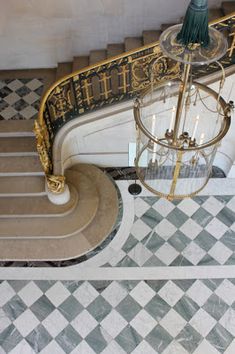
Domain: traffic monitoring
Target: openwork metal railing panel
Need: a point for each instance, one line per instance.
(111, 81)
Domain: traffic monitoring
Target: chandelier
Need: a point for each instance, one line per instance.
(181, 123)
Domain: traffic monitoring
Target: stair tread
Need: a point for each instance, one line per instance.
(22, 185)
(20, 164)
(228, 7)
(78, 244)
(115, 49)
(16, 127)
(63, 69)
(151, 36)
(34, 206)
(80, 62)
(133, 43)
(97, 55)
(17, 144)
(66, 225)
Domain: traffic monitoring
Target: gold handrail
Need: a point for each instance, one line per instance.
(135, 60)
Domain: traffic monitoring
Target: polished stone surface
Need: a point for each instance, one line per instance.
(180, 316)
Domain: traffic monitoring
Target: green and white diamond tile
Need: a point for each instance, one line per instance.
(164, 317)
(197, 231)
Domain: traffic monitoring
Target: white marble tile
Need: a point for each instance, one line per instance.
(142, 293)
(199, 293)
(206, 348)
(173, 323)
(143, 348)
(85, 294)
(213, 205)
(55, 323)
(83, 348)
(84, 323)
(226, 291)
(171, 293)
(193, 253)
(165, 229)
(163, 207)
(140, 254)
(52, 347)
(202, 322)
(228, 321)
(166, 253)
(23, 348)
(114, 323)
(143, 323)
(26, 322)
(216, 228)
(6, 292)
(113, 348)
(140, 230)
(57, 294)
(114, 294)
(220, 252)
(231, 204)
(231, 348)
(30, 293)
(191, 229)
(188, 206)
(140, 207)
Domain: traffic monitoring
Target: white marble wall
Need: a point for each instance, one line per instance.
(105, 141)
(42, 33)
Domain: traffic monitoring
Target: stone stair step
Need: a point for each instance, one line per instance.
(81, 242)
(151, 36)
(80, 62)
(34, 206)
(132, 43)
(214, 14)
(97, 55)
(16, 128)
(14, 145)
(115, 49)
(22, 185)
(63, 69)
(20, 165)
(53, 227)
(228, 7)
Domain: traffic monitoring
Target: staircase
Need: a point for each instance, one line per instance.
(130, 43)
(31, 227)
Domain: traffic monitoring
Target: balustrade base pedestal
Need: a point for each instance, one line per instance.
(61, 198)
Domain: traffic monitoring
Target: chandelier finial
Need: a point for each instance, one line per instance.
(195, 26)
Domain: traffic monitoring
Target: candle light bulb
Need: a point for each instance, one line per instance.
(172, 119)
(202, 138)
(195, 128)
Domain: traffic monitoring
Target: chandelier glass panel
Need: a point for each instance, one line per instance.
(180, 123)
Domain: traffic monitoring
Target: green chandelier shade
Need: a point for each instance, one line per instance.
(195, 26)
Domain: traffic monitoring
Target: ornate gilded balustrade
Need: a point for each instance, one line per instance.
(108, 82)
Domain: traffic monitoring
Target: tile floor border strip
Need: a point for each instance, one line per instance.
(132, 273)
(214, 187)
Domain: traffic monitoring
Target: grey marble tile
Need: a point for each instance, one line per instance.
(98, 339)
(186, 307)
(128, 339)
(14, 308)
(159, 339)
(227, 216)
(68, 339)
(99, 308)
(215, 306)
(38, 338)
(219, 338)
(128, 308)
(9, 338)
(42, 308)
(189, 338)
(157, 308)
(70, 308)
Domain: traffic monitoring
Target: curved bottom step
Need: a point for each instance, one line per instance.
(79, 243)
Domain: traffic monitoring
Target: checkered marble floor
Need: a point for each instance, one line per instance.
(20, 98)
(193, 232)
(118, 317)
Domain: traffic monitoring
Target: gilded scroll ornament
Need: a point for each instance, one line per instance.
(42, 148)
(55, 184)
